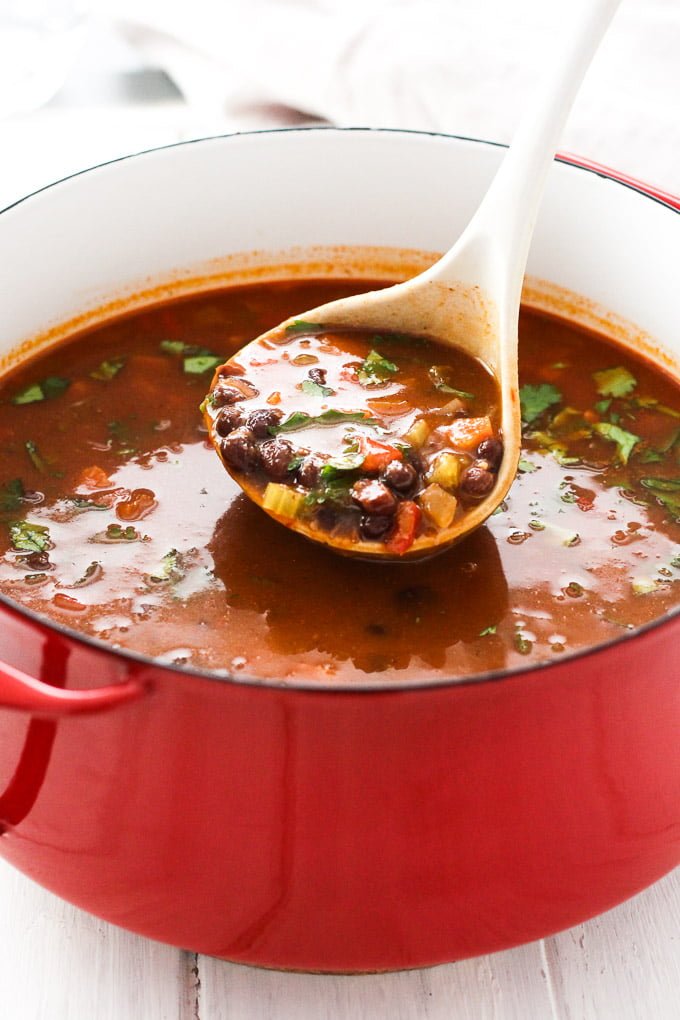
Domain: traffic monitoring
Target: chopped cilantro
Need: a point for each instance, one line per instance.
(28, 537)
(11, 496)
(526, 467)
(439, 374)
(301, 326)
(625, 441)
(614, 382)
(314, 389)
(522, 644)
(51, 387)
(108, 370)
(80, 503)
(197, 364)
(173, 346)
(300, 420)
(602, 406)
(534, 400)
(488, 630)
(196, 360)
(331, 490)
(375, 369)
(650, 456)
(171, 568)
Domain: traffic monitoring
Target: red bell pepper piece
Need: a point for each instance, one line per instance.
(406, 525)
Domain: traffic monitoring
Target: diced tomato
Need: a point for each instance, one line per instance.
(468, 433)
(94, 478)
(377, 455)
(406, 526)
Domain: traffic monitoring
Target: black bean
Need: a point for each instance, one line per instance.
(240, 450)
(262, 420)
(491, 450)
(275, 456)
(327, 517)
(374, 525)
(477, 480)
(227, 420)
(374, 497)
(223, 395)
(318, 375)
(400, 475)
(308, 471)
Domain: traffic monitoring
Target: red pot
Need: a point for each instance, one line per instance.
(327, 828)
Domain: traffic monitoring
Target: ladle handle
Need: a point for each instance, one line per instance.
(508, 211)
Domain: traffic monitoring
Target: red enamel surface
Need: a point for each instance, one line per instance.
(616, 175)
(346, 830)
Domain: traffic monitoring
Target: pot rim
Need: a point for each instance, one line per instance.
(580, 163)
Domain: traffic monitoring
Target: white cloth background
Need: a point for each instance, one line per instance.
(462, 66)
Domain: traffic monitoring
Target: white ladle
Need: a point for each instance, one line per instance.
(470, 298)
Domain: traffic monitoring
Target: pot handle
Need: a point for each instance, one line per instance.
(20, 691)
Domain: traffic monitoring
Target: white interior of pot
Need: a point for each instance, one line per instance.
(170, 213)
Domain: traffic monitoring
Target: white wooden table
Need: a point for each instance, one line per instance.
(58, 963)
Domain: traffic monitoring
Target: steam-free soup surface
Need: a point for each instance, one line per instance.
(117, 519)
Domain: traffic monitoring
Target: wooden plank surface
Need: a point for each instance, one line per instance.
(59, 963)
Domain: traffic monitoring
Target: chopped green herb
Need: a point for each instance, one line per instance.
(108, 370)
(557, 449)
(28, 537)
(197, 364)
(80, 503)
(314, 389)
(49, 388)
(300, 420)
(614, 382)
(439, 374)
(34, 454)
(667, 492)
(602, 406)
(625, 441)
(375, 369)
(171, 569)
(300, 326)
(650, 456)
(31, 395)
(522, 644)
(334, 490)
(173, 346)
(295, 463)
(526, 467)
(661, 484)
(534, 400)
(11, 496)
(675, 562)
(487, 631)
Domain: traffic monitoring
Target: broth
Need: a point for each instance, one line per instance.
(118, 520)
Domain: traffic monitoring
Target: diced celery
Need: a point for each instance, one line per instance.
(282, 500)
(445, 471)
(438, 505)
(417, 434)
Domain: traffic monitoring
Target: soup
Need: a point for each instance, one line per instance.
(370, 438)
(117, 519)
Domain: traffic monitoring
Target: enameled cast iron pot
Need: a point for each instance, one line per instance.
(324, 828)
